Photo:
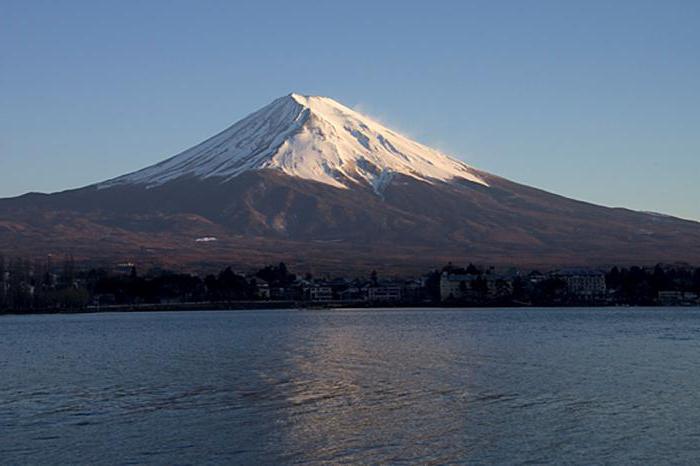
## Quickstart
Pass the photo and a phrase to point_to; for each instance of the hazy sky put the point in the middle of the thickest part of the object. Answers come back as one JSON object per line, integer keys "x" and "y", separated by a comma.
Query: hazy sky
{"x": 594, "y": 100}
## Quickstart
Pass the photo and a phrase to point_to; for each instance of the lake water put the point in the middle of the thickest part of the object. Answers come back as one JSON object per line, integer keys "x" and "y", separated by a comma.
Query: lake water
{"x": 587, "y": 386}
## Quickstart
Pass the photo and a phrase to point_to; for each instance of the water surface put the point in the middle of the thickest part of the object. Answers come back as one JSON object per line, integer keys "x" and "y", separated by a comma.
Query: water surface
{"x": 354, "y": 386}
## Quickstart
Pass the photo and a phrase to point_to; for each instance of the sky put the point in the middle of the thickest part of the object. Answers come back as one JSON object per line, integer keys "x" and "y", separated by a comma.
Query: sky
{"x": 595, "y": 100}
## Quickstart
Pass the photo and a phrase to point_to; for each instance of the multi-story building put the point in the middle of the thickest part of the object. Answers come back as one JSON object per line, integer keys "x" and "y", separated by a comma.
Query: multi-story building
{"x": 384, "y": 293}
{"x": 583, "y": 282}
{"x": 468, "y": 286}
{"x": 318, "y": 293}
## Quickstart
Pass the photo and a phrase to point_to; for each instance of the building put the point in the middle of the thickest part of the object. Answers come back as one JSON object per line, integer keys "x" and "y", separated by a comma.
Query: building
{"x": 318, "y": 293}
{"x": 124, "y": 268}
{"x": 455, "y": 286}
{"x": 262, "y": 289}
{"x": 476, "y": 287}
{"x": 384, "y": 293}
{"x": 583, "y": 282}
{"x": 281, "y": 293}
{"x": 352, "y": 293}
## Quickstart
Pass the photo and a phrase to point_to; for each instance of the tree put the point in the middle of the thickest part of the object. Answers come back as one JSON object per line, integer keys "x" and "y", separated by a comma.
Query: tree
{"x": 520, "y": 290}
{"x": 549, "y": 291}
{"x": 613, "y": 278}
{"x": 230, "y": 286}
{"x": 432, "y": 285}
{"x": 3, "y": 283}
{"x": 659, "y": 281}
{"x": 68, "y": 276}
{"x": 473, "y": 270}
{"x": 276, "y": 276}
{"x": 480, "y": 287}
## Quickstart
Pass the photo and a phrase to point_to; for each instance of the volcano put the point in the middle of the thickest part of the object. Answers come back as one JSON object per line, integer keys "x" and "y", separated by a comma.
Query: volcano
{"x": 314, "y": 183}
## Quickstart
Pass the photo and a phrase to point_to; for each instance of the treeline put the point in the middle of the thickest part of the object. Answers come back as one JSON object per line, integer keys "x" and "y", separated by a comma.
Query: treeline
{"x": 34, "y": 286}
{"x": 27, "y": 285}
{"x": 641, "y": 286}
{"x": 635, "y": 286}
{"x": 513, "y": 288}
{"x": 164, "y": 286}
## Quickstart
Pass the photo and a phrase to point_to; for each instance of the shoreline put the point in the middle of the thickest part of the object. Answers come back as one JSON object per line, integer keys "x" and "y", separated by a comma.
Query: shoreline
{"x": 305, "y": 306}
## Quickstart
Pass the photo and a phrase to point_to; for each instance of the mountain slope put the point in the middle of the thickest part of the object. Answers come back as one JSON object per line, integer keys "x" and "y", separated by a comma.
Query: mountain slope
{"x": 311, "y": 182}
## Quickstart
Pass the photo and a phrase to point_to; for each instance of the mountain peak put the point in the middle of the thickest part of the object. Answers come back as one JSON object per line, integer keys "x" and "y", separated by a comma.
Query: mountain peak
{"x": 309, "y": 137}
{"x": 326, "y": 107}
{"x": 299, "y": 98}
{"x": 309, "y": 100}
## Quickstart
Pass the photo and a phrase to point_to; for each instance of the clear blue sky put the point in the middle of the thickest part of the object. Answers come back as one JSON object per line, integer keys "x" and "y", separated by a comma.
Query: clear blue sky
{"x": 597, "y": 100}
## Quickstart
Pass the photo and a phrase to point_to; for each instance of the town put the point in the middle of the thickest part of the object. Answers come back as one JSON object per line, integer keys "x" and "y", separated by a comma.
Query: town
{"x": 27, "y": 287}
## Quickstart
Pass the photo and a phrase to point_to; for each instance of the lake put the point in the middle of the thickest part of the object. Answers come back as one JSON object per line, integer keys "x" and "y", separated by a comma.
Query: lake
{"x": 586, "y": 386}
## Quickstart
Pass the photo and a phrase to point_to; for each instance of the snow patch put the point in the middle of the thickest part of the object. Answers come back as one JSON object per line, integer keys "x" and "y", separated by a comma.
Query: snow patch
{"x": 380, "y": 183}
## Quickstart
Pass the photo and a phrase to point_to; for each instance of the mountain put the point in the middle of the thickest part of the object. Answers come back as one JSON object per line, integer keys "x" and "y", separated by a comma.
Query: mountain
{"x": 317, "y": 184}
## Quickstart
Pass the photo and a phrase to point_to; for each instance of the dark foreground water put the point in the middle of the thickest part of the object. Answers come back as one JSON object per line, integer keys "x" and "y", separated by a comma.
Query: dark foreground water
{"x": 371, "y": 386}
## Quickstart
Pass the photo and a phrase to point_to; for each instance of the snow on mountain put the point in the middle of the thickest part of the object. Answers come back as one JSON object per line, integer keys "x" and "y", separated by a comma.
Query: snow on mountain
{"x": 310, "y": 137}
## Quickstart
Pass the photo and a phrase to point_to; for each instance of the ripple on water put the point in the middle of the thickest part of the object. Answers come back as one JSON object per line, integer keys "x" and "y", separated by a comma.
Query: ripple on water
{"x": 509, "y": 386}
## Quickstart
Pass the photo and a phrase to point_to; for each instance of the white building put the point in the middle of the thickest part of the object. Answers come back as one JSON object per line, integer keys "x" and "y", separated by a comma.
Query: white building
{"x": 384, "y": 293}
{"x": 582, "y": 282}
{"x": 319, "y": 293}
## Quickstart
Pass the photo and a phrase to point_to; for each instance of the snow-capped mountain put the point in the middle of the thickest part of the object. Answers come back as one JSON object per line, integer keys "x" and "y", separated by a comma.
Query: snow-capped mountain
{"x": 316, "y": 184}
{"x": 310, "y": 137}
